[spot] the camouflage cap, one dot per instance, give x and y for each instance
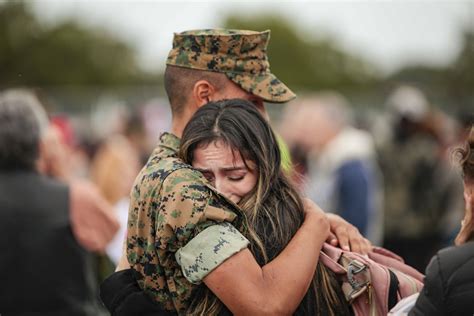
(241, 55)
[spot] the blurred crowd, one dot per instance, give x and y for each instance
(392, 176)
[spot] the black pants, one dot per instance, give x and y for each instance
(122, 296)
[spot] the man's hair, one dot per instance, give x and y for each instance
(23, 123)
(179, 82)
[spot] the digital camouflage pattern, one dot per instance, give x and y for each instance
(209, 249)
(241, 55)
(170, 204)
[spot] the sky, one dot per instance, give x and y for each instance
(389, 34)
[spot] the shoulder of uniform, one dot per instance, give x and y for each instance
(185, 177)
(178, 176)
(164, 167)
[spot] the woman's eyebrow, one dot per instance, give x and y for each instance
(234, 168)
(231, 168)
(202, 170)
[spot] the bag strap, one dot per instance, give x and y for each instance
(331, 263)
(354, 273)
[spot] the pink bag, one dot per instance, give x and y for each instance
(373, 284)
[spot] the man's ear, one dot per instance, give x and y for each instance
(202, 92)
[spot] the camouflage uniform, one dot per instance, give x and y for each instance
(171, 203)
(179, 226)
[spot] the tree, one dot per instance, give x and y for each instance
(461, 74)
(450, 86)
(32, 54)
(306, 63)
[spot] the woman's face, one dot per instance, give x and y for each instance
(226, 170)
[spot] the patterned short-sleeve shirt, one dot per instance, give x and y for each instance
(171, 203)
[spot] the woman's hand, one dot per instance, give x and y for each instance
(342, 233)
(347, 236)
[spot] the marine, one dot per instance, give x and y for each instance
(171, 203)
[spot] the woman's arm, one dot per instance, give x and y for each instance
(278, 287)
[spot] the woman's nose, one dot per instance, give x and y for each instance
(218, 184)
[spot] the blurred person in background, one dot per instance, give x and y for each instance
(113, 169)
(74, 151)
(421, 188)
(77, 149)
(342, 173)
(449, 281)
(45, 267)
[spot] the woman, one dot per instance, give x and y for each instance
(449, 282)
(235, 149)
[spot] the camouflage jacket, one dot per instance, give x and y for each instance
(171, 203)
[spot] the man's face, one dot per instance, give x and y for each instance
(232, 91)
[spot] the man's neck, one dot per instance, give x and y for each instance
(178, 123)
(178, 132)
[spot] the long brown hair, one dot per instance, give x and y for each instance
(273, 209)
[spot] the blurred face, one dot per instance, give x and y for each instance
(315, 122)
(226, 170)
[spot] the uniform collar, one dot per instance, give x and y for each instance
(170, 141)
